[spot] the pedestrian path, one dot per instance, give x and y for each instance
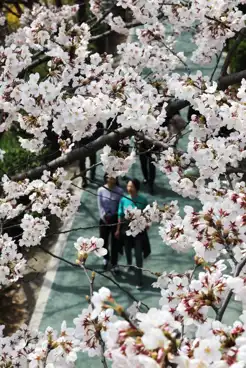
(67, 297)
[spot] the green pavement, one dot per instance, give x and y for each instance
(70, 286)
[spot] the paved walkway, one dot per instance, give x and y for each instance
(70, 285)
(67, 297)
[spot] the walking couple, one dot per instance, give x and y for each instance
(112, 204)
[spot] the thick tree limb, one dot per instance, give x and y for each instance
(236, 170)
(77, 153)
(176, 105)
(232, 50)
(87, 150)
(229, 80)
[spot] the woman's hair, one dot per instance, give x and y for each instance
(105, 178)
(136, 184)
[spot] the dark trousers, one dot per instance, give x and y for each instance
(105, 232)
(93, 160)
(147, 167)
(135, 243)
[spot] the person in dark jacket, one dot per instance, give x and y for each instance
(108, 198)
(147, 166)
(93, 157)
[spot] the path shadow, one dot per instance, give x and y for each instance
(57, 309)
(85, 210)
(125, 280)
(130, 279)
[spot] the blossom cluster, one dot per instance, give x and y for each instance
(50, 195)
(86, 246)
(116, 164)
(34, 349)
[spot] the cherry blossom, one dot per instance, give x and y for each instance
(82, 88)
(116, 166)
(87, 246)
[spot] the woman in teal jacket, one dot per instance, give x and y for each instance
(140, 243)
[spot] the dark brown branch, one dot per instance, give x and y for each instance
(58, 3)
(232, 51)
(85, 151)
(216, 65)
(223, 83)
(236, 170)
(222, 24)
(229, 80)
(78, 153)
(176, 106)
(11, 11)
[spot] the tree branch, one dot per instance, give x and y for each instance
(87, 150)
(229, 294)
(229, 80)
(236, 170)
(76, 154)
(232, 51)
(176, 105)
(128, 26)
(107, 12)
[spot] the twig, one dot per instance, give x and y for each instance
(222, 310)
(103, 359)
(86, 170)
(101, 342)
(103, 17)
(175, 54)
(33, 65)
(156, 274)
(216, 65)
(89, 279)
(80, 228)
(193, 272)
(221, 23)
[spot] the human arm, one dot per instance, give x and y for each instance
(120, 217)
